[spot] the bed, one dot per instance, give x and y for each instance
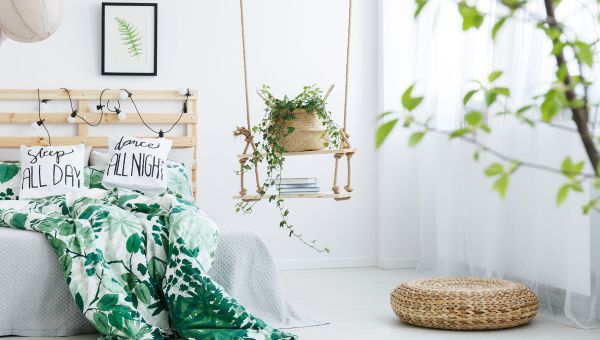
(34, 298)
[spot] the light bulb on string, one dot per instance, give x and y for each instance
(72, 118)
(120, 114)
(37, 124)
(184, 91)
(124, 94)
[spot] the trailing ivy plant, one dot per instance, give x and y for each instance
(274, 126)
(567, 93)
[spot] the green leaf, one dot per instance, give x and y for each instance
(470, 15)
(384, 114)
(562, 194)
(494, 169)
(79, 301)
(468, 96)
(473, 118)
(524, 109)
(505, 91)
(420, 4)
(408, 101)
(133, 243)
(101, 323)
(497, 26)
(589, 206)
(490, 98)
(415, 138)
(570, 169)
(550, 106)
(108, 301)
(383, 131)
(584, 53)
(156, 269)
(459, 133)
(501, 185)
(494, 75)
(143, 293)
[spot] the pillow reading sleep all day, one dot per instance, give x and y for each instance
(137, 164)
(51, 170)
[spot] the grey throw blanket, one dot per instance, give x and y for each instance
(35, 300)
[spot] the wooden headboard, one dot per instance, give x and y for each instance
(82, 100)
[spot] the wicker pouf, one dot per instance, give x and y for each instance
(464, 303)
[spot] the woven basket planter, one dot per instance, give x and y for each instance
(308, 134)
(464, 303)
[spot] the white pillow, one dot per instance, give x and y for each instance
(137, 164)
(99, 157)
(51, 170)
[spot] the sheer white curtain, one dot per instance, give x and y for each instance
(466, 229)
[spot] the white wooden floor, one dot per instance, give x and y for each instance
(356, 303)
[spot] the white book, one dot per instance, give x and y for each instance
(299, 190)
(296, 186)
(300, 180)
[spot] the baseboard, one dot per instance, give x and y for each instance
(398, 263)
(343, 262)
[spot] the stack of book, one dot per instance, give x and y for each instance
(297, 185)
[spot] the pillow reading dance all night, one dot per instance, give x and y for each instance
(137, 164)
(51, 170)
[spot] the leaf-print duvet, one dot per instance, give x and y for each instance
(136, 266)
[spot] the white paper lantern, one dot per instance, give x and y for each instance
(31, 20)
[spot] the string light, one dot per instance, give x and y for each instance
(72, 117)
(160, 132)
(121, 115)
(40, 121)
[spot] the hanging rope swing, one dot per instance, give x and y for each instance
(250, 149)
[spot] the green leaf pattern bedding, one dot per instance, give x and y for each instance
(136, 266)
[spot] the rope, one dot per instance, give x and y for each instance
(335, 188)
(245, 65)
(348, 186)
(347, 63)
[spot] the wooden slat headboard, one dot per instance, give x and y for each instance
(82, 100)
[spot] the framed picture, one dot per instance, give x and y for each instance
(129, 38)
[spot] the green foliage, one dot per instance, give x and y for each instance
(471, 16)
(420, 5)
(498, 25)
(130, 36)
(566, 94)
(502, 175)
(274, 126)
(384, 130)
(415, 138)
(408, 101)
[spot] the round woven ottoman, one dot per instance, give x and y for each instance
(464, 303)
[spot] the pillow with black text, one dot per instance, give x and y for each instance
(51, 170)
(137, 164)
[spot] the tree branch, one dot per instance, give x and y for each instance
(500, 155)
(580, 114)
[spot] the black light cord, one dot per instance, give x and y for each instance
(116, 109)
(40, 120)
(160, 132)
(74, 112)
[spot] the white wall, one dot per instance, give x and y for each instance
(291, 44)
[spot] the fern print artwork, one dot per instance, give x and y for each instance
(130, 37)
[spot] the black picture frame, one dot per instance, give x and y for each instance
(104, 67)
